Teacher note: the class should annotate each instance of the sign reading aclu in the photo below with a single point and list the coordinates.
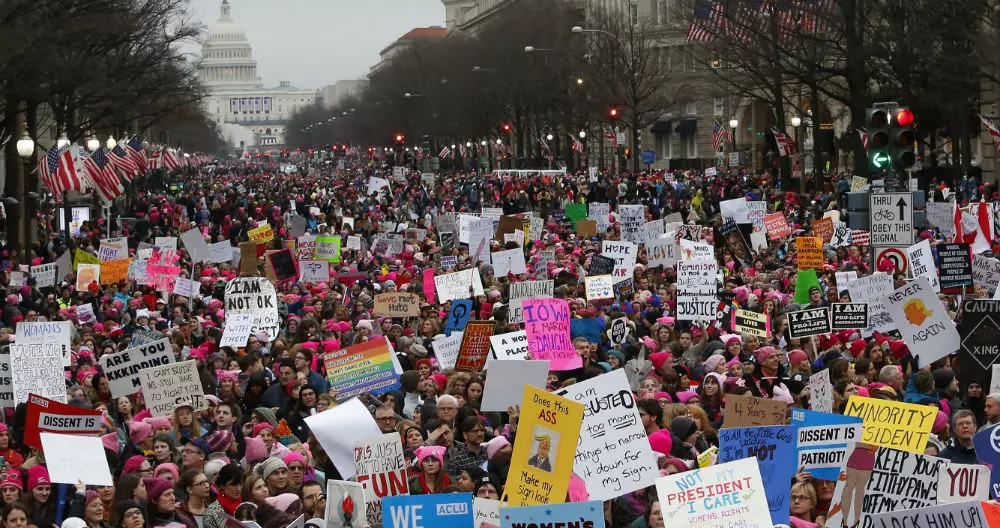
(448, 510)
(891, 219)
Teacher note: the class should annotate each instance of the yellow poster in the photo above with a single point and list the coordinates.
(261, 235)
(82, 257)
(542, 462)
(810, 252)
(903, 426)
(114, 271)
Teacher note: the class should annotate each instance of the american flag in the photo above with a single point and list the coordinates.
(708, 17)
(786, 145)
(155, 160)
(445, 152)
(137, 153)
(48, 170)
(121, 160)
(463, 152)
(169, 160)
(720, 136)
(62, 171)
(993, 127)
(864, 138)
(613, 136)
(577, 146)
(102, 173)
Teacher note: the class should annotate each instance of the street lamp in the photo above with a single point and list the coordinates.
(733, 123)
(25, 145)
(499, 141)
(532, 49)
(579, 81)
(111, 142)
(93, 143)
(583, 134)
(483, 142)
(468, 144)
(577, 29)
(549, 137)
(63, 141)
(796, 121)
(453, 146)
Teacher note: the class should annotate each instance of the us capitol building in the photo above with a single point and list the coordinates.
(250, 116)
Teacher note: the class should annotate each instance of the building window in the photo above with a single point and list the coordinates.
(663, 146)
(691, 108)
(633, 11)
(689, 146)
(718, 106)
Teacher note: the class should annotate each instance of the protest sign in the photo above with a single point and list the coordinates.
(809, 322)
(195, 244)
(923, 321)
(122, 369)
(71, 459)
(512, 345)
(980, 326)
(87, 274)
(654, 229)
(113, 249)
(586, 228)
(305, 247)
(969, 514)
(623, 253)
(219, 252)
(525, 290)
(963, 482)
(542, 461)
(168, 385)
(449, 262)
(446, 350)
(569, 514)
(85, 314)
(507, 379)
(314, 271)
(397, 304)
(618, 331)
(735, 209)
(893, 424)
(368, 367)
(44, 275)
(283, 264)
(805, 281)
(436, 510)
(849, 316)
(328, 248)
(381, 470)
(823, 228)
(748, 411)
(339, 428)
(810, 252)
(986, 272)
(683, 496)
(601, 265)
(871, 289)
(776, 226)
(6, 381)
(475, 346)
(486, 513)
(345, 504)
(451, 286)
(774, 448)
(752, 323)
(37, 368)
(43, 415)
(82, 257)
(115, 271)
(821, 391)
(987, 446)
(261, 235)
(922, 263)
(237, 331)
(599, 212)
(458, 316)
(942, 216)
(696, 290)
(599, 287)
(168, 242)
(631, 219)
(901, 481)
(255, 296)
(954, 267)
(137, 271)
(613, 457)
(186, 287)
(823, 440)
(546, 322)
(662, 252)
(510, 261)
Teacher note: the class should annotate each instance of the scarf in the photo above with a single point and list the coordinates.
(445, 482)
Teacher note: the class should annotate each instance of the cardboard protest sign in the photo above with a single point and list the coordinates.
(751, 323)
(986, 272)
(750, 411)
(823, 440)
(922, 263)
(446, 350)
(113, 249)
(696, 290)
(255, 296)
(774, 448)
(509, 261)
(901, 481)
(923, 321)
(599, 287)
(448, 510)
(168, 242)
(507, 380)
(623, 253)
(168, 385)
(820, 391)
(87, 274)
(43, 415)
(809, 322)
(849, 316)
(122, 369)
(71, 459)
(776, 226)
(542, 461)
(904, 426)
(37, 369)
(475, 347)
(237, 330)
(313, 271)
(810, 252)
(48, 332)
(518, 291)
(328, 247)
(345, 504)
(451, 286)
(381, 470)
(871, 289)
(186, 287)
(823, 228)
(963, 482)
(458, 316)
(261, 235)
(397, 304)
(546, 322)
(115, 271)
(954, 267)
(969, 514)
(583, 514)
(691, 498)
(338, 428)
(284, 265)
(512, 345)
(613, 457)
(369, 367)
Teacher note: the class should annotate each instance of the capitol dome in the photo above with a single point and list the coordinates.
(226, 55)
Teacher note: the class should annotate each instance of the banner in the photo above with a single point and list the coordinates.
(613, 456)
(904, 426)
(570, 514)
(687, 498)
(43, 415)
(255, 296)
(823, 440)
(397, 304)
(809, 322)
(369, 367)
(849, 316)
(544, 450)
(749, 411)
(525, 290)
(546, 322)
(122, 369)
(168, 385)
(774, 448)
(475, 347)
(381, 469)
(923, 321)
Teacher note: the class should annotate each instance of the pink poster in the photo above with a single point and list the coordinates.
(546, 322)
(429, 284)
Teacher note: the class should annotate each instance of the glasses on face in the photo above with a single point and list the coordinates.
(296, 468)
(133, 513)
(800, 498)
(190, 452)
(202, 483)
(447, 408)
(386, 419)
(477, 431)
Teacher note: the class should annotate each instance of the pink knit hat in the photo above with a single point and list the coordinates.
(260, 427)
(169, 468)
(255, 450)
(661, 442)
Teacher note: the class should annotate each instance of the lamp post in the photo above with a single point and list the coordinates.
(796, 122)
(25, 149)
(111, 142)
(583, 149)
(733, 123)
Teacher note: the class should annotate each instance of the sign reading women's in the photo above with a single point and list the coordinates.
(546, 322)
(714, 496)
(256, 296)
(570, 514)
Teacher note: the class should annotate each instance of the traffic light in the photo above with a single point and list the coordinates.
(505, 128)
(628, 153)
(902, 136)
(877, 120)
(613, 113)
(400, 138)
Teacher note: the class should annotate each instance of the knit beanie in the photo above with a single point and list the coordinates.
(269, 466)
(133, 464)
(255, 450)
(38, 476)
(138, 432)
(169, 468)
(494, 445)
(156, 487)
(260, 427)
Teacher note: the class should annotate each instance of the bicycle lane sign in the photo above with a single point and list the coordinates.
(891, 219)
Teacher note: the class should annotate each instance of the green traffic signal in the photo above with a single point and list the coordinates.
(880, 160)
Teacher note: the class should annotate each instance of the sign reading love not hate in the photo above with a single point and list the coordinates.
(547, 322)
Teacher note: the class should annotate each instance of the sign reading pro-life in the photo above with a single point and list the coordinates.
(891, 216)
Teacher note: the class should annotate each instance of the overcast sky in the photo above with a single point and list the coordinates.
(313, 43)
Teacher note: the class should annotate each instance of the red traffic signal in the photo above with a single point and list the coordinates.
(506, 128)
(400, 138)
(904, 117)
(613, 113)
